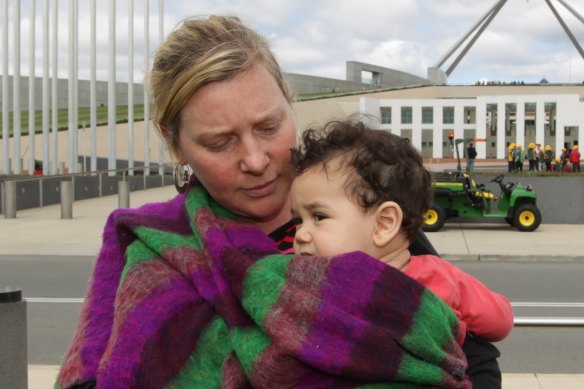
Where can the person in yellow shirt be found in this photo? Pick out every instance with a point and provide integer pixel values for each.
(511, 157)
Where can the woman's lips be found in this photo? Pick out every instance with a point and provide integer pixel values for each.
(262, 190)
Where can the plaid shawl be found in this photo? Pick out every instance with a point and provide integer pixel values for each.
(185, 296)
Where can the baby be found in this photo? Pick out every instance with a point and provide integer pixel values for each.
(360, 189)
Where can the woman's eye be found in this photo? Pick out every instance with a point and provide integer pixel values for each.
(270, 129)
(218, 145)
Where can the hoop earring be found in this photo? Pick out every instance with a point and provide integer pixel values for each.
(181, 175)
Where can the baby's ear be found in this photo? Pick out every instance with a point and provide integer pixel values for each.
(388, 221)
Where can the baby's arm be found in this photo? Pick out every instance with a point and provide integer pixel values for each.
(482, 311)
(485, 312)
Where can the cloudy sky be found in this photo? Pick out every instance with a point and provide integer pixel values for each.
(524, 42)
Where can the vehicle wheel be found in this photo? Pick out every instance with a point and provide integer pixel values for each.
(527, 217)
(434, 218)
(509, 221)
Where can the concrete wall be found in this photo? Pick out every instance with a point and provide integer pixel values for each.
(102, 134)
(83, 88)
(383, 77)
(302, 84)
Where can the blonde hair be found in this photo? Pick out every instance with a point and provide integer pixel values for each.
(199, 52)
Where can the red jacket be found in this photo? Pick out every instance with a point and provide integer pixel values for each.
(574, 156)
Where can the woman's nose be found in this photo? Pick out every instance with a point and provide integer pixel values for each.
(254, 159)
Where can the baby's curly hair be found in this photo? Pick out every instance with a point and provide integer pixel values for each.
(380, 167)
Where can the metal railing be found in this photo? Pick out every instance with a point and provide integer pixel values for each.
(123, 174)
(548, 321)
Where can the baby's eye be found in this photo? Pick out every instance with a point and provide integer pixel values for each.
(319, 217)
(297, 221)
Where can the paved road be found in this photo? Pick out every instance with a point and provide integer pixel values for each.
(528, 349)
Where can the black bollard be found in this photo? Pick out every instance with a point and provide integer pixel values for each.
(13, 358)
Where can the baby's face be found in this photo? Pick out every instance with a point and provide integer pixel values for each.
(329, 223)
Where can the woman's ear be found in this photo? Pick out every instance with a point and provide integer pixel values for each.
(388, 221)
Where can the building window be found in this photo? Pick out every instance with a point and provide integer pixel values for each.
(386, 115)
(406, 115)
(470, 115)
(448, 115)
(568, 130)
(427, 115)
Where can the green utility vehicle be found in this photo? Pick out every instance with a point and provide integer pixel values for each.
(456, 195)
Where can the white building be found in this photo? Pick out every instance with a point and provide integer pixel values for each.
(499, 119)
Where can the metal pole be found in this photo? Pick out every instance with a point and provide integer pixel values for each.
(5, 133)
(460, 56)
(66, 191)
(572, 10)
(31, 89)
(10, 200)
(45, 92)
(85, 154)
(55, 89)
(16, 127)
(455, 47)
(92, 90)
(75, 145)
(549, 321)
(123, 194)
(13, 341)
(146, 98)
(566, 29)
(111, 109)
(131, 87)
(160, 39)
(71, 94)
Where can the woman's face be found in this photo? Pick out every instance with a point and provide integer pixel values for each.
(236, 135)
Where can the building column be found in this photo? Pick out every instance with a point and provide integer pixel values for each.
(540, 122)
(458, 121)
(560, 134)
(501, 146)
(438, 132)
(481, 130)
(396, 120)
(417, 126)
(481, 122)
(371, 108)
(520, 124)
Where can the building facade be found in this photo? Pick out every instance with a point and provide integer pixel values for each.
(497, 120)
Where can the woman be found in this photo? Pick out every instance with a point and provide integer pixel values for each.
(193, 292)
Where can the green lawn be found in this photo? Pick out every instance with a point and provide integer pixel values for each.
(63, 117)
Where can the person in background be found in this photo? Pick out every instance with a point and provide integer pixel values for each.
(360, 189)
(575, 159)
(564, 158)
(539, 153)
(549, 157)
(531, 157)
(519, 157)
(557, 165)
(471, 154)
(511, 157)
(196, 291)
